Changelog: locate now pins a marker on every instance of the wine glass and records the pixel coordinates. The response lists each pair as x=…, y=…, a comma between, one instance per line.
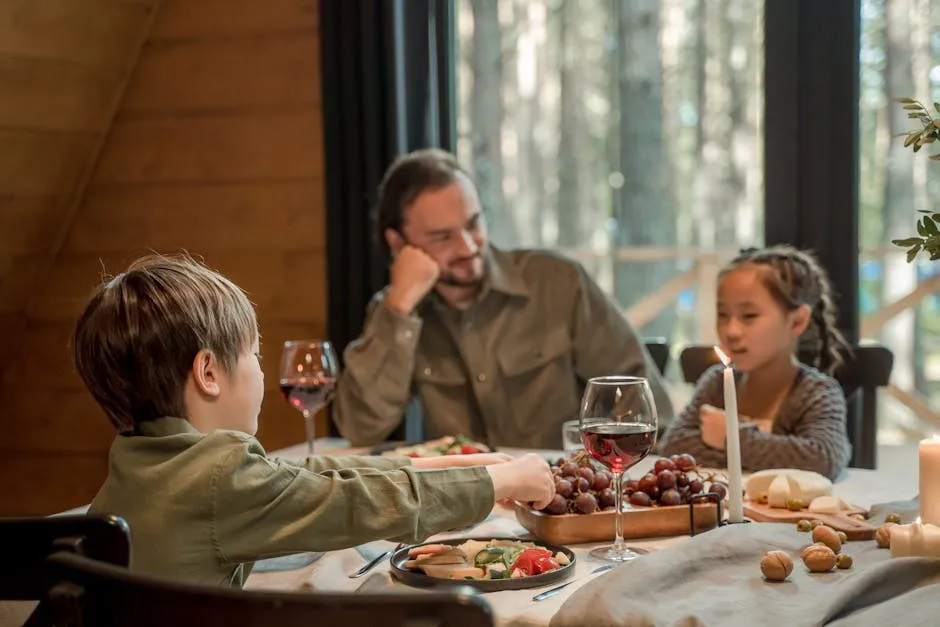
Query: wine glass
x=618, y=428
x=308, y=377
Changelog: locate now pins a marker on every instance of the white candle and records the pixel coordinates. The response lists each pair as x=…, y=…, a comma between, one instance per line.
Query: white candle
x=928, y=455
x=915, y=540
x=732, y=443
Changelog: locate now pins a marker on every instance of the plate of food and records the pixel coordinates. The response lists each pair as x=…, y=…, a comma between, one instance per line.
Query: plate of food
x=448, y=445
x=488, y=564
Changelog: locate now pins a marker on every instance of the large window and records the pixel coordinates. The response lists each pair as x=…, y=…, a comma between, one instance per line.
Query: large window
x=628, y=135
x=900, y=56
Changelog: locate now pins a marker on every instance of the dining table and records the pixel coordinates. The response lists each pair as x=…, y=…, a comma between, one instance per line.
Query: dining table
x=511, y=608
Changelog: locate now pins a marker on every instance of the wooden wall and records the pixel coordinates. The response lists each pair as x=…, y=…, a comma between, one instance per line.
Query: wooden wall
x=216, y=148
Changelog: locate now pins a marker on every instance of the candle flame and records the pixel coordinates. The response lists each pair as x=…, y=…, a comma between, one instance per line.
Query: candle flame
x=725, y=360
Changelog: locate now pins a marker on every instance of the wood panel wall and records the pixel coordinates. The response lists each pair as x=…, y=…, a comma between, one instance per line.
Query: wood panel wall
x=216, y=148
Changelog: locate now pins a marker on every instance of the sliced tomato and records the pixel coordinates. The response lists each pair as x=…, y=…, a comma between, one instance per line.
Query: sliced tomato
x=468, y=449
x=535, y=561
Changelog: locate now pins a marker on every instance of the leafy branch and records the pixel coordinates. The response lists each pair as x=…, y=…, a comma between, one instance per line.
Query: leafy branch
x=928, y=227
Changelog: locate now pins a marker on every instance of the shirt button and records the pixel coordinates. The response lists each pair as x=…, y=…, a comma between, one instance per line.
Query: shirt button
x=481, y=378
x=427, y=372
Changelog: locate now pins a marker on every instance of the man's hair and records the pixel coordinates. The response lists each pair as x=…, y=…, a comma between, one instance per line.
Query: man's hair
x=407, y=178
x=136, y=340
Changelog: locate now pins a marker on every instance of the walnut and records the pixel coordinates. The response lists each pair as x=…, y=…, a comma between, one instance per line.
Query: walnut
x=828, y=536
x=819, y=558
x=883, y=535
x=776, y=565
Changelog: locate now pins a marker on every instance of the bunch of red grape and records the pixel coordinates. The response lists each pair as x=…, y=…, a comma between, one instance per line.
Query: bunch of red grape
x=580, y=488
x=673, y=481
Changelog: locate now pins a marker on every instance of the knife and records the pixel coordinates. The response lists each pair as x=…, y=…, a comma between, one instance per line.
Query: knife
x=544, y=595
x=375, y=561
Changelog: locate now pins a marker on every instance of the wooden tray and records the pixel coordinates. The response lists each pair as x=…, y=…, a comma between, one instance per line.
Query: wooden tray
x=639, y=522
x=853, y=529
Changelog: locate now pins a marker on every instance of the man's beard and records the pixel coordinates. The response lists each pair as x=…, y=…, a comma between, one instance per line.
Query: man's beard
x=450, y=280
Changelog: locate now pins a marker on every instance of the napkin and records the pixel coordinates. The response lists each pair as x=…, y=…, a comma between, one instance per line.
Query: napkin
x=714, y=579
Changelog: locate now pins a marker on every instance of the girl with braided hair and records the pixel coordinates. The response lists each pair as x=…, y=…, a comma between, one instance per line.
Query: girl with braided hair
x=772, y=303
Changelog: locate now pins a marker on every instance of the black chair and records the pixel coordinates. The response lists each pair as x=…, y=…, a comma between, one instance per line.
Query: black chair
x=658, y=348
x=864, y=371
x=27, y=542
x=83, y=592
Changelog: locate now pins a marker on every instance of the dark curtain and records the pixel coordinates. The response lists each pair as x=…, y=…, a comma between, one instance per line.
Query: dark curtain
x=811, y=142
x=387, y=82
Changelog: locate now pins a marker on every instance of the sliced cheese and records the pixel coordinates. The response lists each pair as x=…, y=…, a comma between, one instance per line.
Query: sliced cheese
x=782, y=484
x=782, y=489
x=828, y=505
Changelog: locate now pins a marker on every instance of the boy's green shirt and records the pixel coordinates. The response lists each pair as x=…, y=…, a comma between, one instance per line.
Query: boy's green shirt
x=203, y=507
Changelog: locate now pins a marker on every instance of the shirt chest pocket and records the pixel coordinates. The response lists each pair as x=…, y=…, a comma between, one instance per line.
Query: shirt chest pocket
x=445, y=372
x=526, y=358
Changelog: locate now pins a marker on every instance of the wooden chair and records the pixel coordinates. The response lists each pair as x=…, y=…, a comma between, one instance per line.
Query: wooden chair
x=84, y=592
x=27, y=542
x=658, y=348
x=864, y=371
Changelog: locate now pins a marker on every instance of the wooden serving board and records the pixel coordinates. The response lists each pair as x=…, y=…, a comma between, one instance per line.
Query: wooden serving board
x=639, y=522
x=853, y=529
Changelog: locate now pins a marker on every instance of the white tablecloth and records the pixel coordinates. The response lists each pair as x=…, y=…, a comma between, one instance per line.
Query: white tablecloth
x=511, y=608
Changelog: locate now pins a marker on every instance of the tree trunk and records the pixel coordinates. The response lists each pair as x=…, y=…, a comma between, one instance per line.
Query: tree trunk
x=568, y=209
x=646, y=214
x=486, y=119
x=898, y=206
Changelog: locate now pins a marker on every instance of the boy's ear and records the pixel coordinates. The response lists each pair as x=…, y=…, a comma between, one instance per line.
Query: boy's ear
x=395, y=241
x=206, y=372
x=800, y=319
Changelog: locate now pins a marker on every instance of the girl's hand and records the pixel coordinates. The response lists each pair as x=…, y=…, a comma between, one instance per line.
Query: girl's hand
x=453, y=461
x=713, y=426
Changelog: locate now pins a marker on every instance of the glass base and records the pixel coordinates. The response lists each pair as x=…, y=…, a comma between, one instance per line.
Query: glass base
x=608, y=553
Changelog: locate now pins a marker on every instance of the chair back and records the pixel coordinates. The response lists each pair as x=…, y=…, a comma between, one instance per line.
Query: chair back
x=658, y=349
x=864, y=371
x=27, y=542
x=83, y=592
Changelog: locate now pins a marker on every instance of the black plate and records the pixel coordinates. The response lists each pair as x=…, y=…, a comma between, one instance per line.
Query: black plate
x=385, y=447
x=419, y=579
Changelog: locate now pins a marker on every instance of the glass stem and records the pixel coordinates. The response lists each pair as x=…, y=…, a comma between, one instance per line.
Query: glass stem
x=309, y=426
x=619, y=545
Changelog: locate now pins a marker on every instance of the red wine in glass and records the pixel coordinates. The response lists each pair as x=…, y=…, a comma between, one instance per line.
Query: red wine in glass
x=618, y=445
x=308, y=375
x=618, y=428
x=308, y=394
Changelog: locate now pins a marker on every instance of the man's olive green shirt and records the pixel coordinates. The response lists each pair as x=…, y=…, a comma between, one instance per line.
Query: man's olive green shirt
x=203, y=508
x=506, y=371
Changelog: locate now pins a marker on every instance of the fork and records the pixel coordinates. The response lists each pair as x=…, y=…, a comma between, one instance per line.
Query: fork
x=374, y=562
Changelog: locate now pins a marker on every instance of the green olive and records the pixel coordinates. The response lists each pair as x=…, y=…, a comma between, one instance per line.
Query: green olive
x=815, y=523
x=804, y=525
x=843, y=538
x=795, y=505
x=763, y=499
x=892, y=517
x=844, y=561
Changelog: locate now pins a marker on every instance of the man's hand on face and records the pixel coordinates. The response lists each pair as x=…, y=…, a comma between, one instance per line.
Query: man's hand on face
x=413, y=275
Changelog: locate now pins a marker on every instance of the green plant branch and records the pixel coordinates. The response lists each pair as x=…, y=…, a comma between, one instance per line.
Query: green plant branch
x=928, y=226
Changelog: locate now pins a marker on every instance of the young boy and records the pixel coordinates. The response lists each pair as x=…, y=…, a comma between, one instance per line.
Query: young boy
x=169, y=349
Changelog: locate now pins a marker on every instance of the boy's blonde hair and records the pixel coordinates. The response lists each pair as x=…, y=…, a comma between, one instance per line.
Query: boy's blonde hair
x=136, y=340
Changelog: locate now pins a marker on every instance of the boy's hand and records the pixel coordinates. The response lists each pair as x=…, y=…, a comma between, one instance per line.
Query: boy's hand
x=527, y=479
x=713, y=426
x=452, y=461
